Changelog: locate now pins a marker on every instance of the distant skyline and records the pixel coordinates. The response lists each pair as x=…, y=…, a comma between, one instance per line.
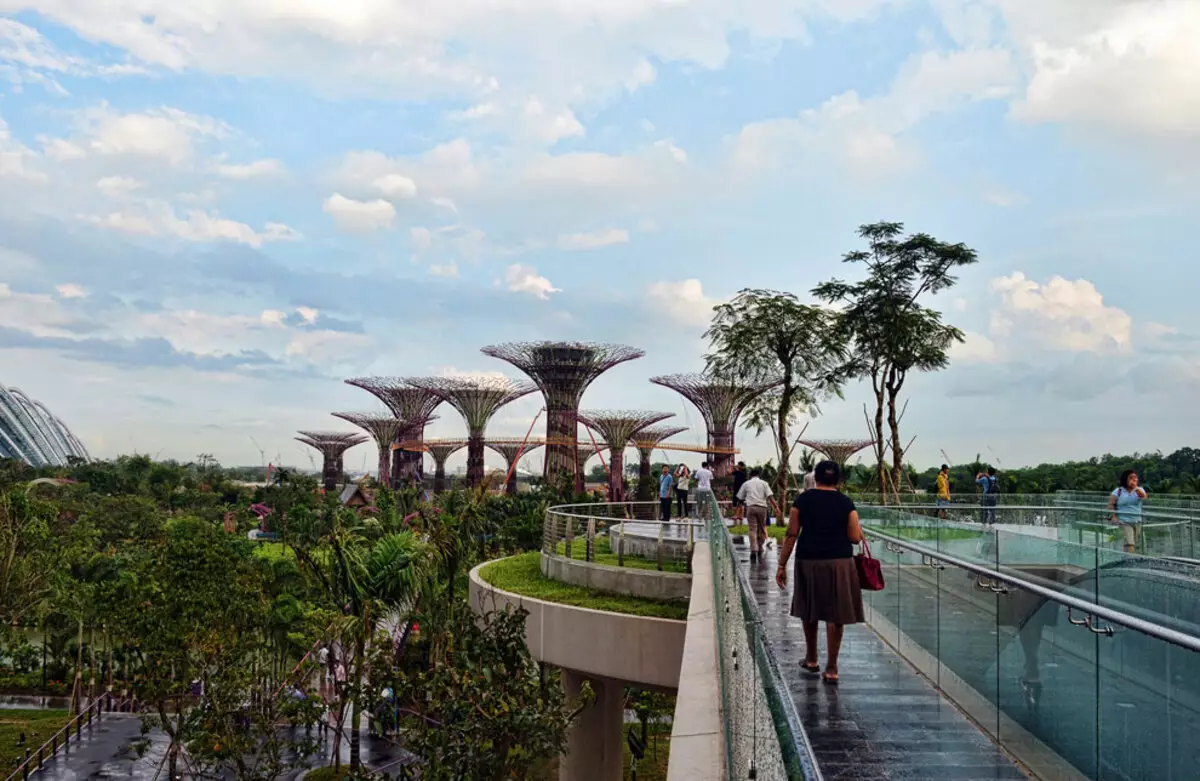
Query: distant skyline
x=211, y=213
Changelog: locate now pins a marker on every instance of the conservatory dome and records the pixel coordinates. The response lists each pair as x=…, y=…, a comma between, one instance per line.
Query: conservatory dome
x=30, y=433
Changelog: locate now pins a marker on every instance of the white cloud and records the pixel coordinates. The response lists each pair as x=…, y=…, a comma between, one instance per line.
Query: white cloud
x=643, y=74
x=865, y=137
x=593, y=240
x=444, y=270
x=308, y=314
x=17, y=161
x=444, y=203
x=683, y=301
x=1068, y=315
x=1128, y=67
x=359, y=216
x=253, y=170
x=158, y=218
x=975, y=348
x=166, y=133
x=39, y=314
x=525, y=279
x=70, y=290
x=395, y=187
x=61, y=150
x=118, y=186
x=443, y=173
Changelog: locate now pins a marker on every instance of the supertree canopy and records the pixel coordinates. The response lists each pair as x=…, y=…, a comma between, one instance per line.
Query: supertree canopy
x=442, y=449
x=720, y=402
x=333, y=446
x=563, y=371
x=512, y=449
x=839, y=450
x=477, y=399
x=385, y=428
x=645, y=440
x=412, y=405
x=618, y=426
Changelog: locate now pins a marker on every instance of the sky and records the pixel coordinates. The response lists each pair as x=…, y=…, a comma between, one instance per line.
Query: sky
x=212, y=212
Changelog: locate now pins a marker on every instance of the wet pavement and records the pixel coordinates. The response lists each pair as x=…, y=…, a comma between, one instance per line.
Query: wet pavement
x=105, y=751
x=884, y=722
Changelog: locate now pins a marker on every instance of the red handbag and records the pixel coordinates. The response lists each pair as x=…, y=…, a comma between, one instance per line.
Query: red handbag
x=870, y=571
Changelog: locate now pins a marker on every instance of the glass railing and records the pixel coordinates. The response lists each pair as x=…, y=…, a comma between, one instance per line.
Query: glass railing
x=763, y=735
x=1081, y=660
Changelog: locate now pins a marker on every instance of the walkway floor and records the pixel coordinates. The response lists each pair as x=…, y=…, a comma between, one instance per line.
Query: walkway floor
x=884, y=722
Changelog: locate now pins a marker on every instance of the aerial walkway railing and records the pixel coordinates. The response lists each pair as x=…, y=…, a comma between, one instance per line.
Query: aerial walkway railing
x=763, y=735
x=1083, y=669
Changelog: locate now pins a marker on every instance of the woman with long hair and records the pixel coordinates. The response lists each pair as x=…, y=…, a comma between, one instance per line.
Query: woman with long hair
x=1126, y=506
x=683, y=483
x=827, y=587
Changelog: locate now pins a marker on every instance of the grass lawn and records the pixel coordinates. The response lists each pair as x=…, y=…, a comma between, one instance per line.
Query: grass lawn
x=522, y=575
x=604, y=554
x=38, y=726
x=653, y=766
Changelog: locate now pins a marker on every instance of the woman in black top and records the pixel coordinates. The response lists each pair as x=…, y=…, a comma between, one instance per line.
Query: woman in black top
x=827, y=586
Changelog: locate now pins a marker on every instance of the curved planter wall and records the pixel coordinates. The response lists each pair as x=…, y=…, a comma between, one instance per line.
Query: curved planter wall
x=637, y=649
x=629, y=582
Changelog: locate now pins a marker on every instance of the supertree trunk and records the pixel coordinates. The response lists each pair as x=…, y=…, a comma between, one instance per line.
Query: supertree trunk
x=331, y=467
x=475, y=459
x=439, y=478
x=397, y=473
x=561, y=444
x=644, y=493
x=385, y=466
x=722, y=442
x=510, y=487
x=616, y=476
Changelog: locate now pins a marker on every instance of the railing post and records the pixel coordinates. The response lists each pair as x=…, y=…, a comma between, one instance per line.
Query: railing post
x=41, y=756
x=54, y=745
x=590, y=552
x=25, y=764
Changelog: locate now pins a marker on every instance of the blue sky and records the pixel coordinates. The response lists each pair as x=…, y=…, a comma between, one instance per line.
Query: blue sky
x=211, y=212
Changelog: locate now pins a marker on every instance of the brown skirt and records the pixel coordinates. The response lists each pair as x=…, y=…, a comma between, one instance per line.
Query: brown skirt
x=827, y=590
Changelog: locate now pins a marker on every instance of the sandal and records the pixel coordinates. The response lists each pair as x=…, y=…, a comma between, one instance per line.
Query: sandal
x=811, y=668
x=829, y=678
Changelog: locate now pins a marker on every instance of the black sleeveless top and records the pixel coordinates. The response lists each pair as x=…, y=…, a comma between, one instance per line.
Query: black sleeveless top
x=824, y=525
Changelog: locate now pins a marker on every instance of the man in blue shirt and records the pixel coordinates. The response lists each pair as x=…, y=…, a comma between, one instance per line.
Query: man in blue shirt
x=989, y=485
x=665, y=484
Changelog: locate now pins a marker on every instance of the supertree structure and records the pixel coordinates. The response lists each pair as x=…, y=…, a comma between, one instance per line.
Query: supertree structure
x=839, y=450
x=333, y=446
x=442, y=449
x=563, y=371
x=583, y=453
x=645, y=440
x=477, y=399
x=618, y=426
x=415, y=407
x=385, y=428
x=720, y=402
x=512, y=449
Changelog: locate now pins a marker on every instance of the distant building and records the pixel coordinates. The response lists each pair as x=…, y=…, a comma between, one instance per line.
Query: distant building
x=30, y=433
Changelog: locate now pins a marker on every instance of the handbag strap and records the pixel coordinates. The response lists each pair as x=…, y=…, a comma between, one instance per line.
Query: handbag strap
x=866, y=548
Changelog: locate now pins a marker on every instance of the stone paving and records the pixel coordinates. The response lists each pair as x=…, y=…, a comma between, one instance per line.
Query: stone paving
x=884, y=722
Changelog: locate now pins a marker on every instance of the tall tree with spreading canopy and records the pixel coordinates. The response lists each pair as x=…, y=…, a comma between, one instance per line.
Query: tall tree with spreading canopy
x=767, y=335
x=891, y=332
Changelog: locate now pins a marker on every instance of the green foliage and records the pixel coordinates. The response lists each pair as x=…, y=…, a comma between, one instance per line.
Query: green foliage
x=36, y=725
x=483, y=712
x=890, y=331
x=764, y=335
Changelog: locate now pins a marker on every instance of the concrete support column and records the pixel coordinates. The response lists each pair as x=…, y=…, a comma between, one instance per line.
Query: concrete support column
x=594, y=751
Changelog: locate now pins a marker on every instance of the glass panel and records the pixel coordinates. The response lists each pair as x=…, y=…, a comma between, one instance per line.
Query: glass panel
x=1046, y=680
x=967, y=651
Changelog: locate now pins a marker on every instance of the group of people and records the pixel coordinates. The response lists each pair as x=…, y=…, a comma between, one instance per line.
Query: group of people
x=674, y=487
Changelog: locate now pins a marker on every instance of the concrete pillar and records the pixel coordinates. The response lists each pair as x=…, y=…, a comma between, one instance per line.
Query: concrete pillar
x=594, y=745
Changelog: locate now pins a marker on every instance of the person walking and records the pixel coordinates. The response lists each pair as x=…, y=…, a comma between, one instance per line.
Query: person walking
x=943, y=491
x=756, y=496
x=682, y=484
x=1126, y=506
x=739, y=479
x=827, y=587
x=989, y=486
x=665, y=482
x=810, y=480
x=704, y=492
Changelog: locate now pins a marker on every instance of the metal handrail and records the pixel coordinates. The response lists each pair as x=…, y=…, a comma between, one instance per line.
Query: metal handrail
x=1002, y=508
x=1093, y=609
x=36, y=759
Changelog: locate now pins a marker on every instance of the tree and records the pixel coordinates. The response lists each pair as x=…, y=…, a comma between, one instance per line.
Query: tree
x=890, y=332
x=765, y=334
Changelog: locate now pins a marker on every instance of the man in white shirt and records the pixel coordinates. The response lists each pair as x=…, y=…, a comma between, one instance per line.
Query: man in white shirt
x=704, y=493
x=757, y=495
x=810, y=480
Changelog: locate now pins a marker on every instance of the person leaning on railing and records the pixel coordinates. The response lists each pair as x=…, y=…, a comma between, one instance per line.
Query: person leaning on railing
x=827, y=587
x=1126, y=506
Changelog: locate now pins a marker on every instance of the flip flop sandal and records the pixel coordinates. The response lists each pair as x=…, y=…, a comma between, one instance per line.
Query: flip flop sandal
x=811, y=669
x=832, y=680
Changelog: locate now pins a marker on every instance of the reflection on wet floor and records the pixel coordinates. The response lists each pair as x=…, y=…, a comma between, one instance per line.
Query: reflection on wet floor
x=105, y=751
x=884, y=722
